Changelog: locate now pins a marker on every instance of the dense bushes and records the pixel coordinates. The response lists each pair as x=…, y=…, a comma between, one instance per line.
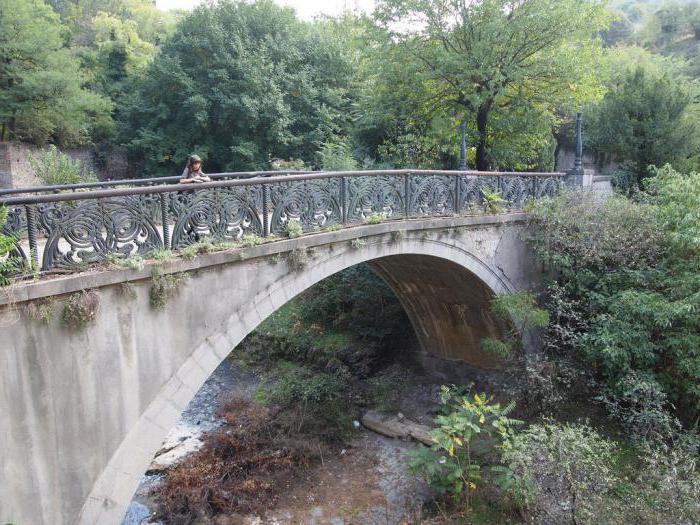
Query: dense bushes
x=626, y=289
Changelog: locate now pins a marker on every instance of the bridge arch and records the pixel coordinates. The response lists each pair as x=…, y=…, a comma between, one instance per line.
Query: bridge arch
x=442, y=270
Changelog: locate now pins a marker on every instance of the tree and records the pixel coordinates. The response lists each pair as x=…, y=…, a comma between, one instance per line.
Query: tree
x=42, y=96
x=240, y=84
x=645, y=119
x=486, y=56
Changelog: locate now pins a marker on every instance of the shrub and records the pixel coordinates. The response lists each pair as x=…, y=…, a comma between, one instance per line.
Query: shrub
x=493, y=201
x=560, y=473
x=292, y=228
x=639, y=403
x=191, y=251
x=80, y=309
x=161, y=255
x=519, y=310
x=450, y=466
x=54, y=167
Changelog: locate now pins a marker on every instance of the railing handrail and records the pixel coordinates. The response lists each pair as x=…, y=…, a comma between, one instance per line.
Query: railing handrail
x=140, y=182
x=253, y=180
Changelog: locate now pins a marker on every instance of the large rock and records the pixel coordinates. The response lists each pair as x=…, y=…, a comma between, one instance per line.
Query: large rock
x=396, y=426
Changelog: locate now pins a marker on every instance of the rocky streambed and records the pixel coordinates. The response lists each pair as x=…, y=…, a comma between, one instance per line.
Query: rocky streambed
x=365, y=482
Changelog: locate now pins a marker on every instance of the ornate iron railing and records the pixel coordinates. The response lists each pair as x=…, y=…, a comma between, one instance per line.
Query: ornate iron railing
x=70, y=229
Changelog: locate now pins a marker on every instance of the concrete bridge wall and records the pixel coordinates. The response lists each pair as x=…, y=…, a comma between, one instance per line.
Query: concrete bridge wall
x=83, y=412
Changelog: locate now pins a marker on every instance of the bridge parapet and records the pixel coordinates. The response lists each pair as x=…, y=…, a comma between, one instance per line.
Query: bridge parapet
x=66, y=231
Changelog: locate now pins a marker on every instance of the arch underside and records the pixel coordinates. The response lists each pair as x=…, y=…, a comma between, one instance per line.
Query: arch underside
x=448, y=306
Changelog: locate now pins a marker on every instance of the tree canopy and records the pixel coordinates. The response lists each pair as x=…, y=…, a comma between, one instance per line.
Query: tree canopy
x=475, y=59
x=240, y=84
x=43, y=96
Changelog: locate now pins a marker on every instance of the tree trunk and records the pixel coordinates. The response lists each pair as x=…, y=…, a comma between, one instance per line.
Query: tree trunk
x=482, y=118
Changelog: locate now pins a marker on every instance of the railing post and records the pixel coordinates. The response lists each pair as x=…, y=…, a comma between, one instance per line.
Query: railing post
x=407, y=194
x=343, y=202
x=31, y=235
x=164, y=216
x=458, y=196
x=265, y=214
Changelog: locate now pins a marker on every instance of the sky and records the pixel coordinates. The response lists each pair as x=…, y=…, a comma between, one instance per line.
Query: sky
x=306, y=9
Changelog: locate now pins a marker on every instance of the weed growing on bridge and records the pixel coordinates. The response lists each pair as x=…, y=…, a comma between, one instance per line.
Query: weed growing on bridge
x=134, y=262
x=80, y=309
x=249, y=240
x=333, y=227
x=41, y=311
x=164, y=287
x=162, y=255
x=356, y=244
x=126, y=290
x=191, y=251
x=375, y=218
x=293, y=229
x=297, y=259
x=493, y=201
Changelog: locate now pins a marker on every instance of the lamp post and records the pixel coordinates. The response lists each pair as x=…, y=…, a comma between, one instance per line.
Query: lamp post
x=463, y=148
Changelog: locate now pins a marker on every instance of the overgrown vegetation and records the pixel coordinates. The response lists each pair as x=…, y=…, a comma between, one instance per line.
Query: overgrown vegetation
x=8, y=264
x=80, y=310
x=53, y=167
x=164, y=286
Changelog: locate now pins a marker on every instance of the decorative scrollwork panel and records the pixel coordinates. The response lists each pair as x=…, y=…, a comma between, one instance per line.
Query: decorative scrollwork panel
x=220, y=214
x=81, y=232
x=432, y=195
x=516, y=190
x=314, y=203
x=368, y=195
x=548, y=186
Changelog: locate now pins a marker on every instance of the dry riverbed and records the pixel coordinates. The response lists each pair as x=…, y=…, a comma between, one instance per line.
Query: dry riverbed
x=363, y=482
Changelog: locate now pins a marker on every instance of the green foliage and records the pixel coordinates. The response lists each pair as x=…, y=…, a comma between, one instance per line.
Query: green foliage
x=450, y=466
x=375, y=218
x=487, y=61
x=80, y=310
x=292, y=228
x=640, y=404
x=560, y=473
x=493, y=201
x=8, y=264
x=519, y=310
x=191, y=251
x=645, y=119
x=316, y=400
x=240, y=83
x=383, y=391
x=54, y=167
x=164, y=287
x=357, y=244
x=627, y=287
x=249, y=240
x=336, y=156
x=162, y=255
x=42, y=97
x=41, y=311
x=133, y=262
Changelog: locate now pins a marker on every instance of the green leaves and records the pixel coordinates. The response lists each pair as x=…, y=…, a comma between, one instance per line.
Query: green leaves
x=462, y=434
x=42, y=94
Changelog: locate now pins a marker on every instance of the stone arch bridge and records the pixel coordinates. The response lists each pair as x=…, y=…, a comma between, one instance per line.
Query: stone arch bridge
x=84, y=410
